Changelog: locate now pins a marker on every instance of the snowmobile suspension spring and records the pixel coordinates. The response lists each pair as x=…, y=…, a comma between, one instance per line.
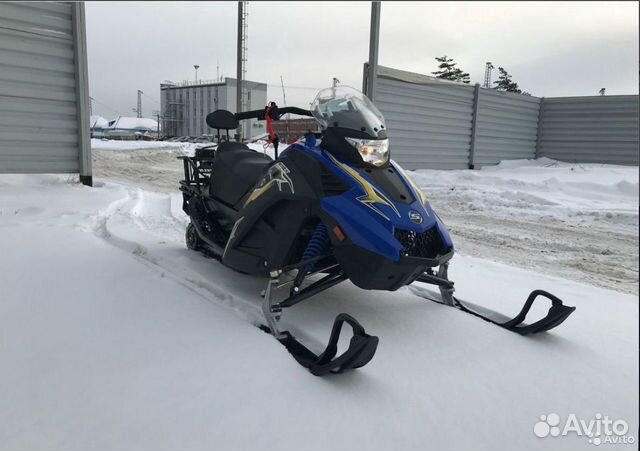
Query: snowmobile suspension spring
x=316, y=245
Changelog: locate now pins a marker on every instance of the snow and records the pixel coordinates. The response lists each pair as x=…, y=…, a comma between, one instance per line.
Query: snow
x=115, y=336
x=127, y=146
x=98, y=122
x=576, y=193
x=579, y=221
x=130, y=123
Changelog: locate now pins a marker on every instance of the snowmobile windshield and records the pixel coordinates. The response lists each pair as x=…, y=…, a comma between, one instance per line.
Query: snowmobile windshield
x=347, y=108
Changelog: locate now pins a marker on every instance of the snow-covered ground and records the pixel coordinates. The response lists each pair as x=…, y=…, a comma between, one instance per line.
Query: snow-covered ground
x=114, y=336
x=579, y=221
x=591, y=195
x=127, y=146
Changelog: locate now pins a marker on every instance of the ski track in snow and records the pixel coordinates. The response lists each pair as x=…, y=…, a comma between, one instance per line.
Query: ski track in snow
x=491, y=221
x=160, y=231
x=134, y=209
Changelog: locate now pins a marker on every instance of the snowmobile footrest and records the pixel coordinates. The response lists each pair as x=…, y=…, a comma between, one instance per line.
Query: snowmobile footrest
x=361, y=349
x=557, y=313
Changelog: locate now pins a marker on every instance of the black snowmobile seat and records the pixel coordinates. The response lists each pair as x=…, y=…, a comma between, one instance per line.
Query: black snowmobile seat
x=236, y=169
x=222, y=120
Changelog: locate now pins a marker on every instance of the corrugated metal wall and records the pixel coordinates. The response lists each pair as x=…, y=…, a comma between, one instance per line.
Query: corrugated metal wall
x=429, y=122
x=506, y=127
x=602, y=129
x=438, y=124
x=40, y=98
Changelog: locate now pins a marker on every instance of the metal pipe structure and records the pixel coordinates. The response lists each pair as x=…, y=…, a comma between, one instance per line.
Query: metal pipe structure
x=374, y=37
x=139, y=108
x=240, y=62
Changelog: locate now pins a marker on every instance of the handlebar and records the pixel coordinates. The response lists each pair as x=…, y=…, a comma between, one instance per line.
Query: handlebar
x=260, y=114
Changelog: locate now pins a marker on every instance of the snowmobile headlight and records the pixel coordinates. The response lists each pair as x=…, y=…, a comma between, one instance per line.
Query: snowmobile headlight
x=374, y=151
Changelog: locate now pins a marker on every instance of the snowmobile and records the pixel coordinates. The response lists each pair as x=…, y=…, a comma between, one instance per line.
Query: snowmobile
x=322, y=213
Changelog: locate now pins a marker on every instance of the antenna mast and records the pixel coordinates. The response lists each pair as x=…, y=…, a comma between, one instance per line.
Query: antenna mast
x=487, y=75
x=284, y=100
x=241, y=72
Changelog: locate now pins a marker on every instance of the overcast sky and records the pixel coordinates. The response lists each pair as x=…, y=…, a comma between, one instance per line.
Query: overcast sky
x=551, y=49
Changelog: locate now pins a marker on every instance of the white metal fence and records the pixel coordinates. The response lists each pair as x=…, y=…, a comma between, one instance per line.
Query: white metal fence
x=506, y=127
x=438, y=124
x=599, y=129
x=44, y=100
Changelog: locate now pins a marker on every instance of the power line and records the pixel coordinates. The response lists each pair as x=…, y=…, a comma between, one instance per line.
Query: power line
x=107, y=106
x=150, y=98
x=295, y=87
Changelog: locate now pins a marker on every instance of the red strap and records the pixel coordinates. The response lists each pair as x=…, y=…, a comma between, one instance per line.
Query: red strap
x=272, y=134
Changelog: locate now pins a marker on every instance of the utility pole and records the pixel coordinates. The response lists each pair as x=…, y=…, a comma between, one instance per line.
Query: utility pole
x=487, y=75
x=374, y=37
x=90, y=106
x=196, y=67
x=241, y=62
x=156, y=113
x=217, y=70
x=139, y=109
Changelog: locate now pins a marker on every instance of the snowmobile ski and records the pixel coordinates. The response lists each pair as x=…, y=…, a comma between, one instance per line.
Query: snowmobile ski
x=558, y=312
x=362, y=346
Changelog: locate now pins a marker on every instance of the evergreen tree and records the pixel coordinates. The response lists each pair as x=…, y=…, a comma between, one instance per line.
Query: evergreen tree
x=506, y=83
x=449, y=71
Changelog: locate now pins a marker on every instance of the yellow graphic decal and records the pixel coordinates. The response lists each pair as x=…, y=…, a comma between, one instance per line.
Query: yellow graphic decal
x=371, y=195
x=278, y=174
x=232, y=235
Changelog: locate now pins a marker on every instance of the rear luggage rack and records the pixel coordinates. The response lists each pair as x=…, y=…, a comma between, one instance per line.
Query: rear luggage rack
x=197, y=169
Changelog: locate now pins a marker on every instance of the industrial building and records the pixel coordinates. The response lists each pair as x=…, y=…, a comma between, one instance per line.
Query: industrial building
x=184, y=106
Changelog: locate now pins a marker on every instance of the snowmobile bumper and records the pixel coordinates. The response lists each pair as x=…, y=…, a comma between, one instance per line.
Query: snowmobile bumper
x=371, y=271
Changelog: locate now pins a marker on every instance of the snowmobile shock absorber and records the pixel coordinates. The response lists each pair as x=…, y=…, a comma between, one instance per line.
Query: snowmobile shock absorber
x=316, y=245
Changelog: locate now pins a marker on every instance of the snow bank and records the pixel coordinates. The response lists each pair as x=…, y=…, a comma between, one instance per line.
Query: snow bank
x=123, y=146
x=582, y=194
x=186, y=148
x=129, y=123
x=98, y=122
x=115, y=336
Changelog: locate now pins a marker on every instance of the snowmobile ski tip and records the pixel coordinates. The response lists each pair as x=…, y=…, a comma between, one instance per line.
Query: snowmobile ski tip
x=558, y=312
x=362, y=348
